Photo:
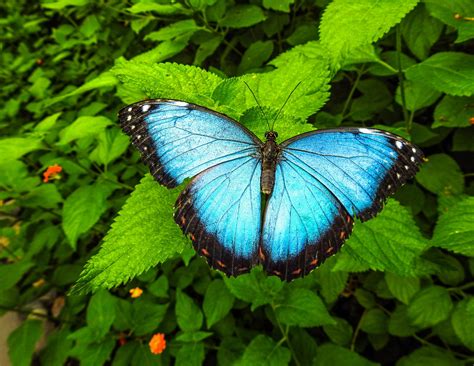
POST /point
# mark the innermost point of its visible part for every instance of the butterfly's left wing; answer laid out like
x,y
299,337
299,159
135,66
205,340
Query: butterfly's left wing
x,y
323,180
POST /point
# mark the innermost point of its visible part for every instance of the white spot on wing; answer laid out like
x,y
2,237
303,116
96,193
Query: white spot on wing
x,y
398,175
406,167
412,158
146,107
139,136
129,109
132,127
399,144
413,149
389,186
129,117
181,104
365,130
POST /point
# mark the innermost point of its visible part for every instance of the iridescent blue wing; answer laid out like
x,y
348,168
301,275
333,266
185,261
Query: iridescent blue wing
x,y
340,173
178,140
220,209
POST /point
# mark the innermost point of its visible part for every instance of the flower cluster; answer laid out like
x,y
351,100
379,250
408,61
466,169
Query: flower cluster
x,y
52,173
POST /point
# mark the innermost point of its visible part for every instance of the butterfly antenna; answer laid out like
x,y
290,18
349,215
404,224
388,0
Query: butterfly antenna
x,y
259,106
283,106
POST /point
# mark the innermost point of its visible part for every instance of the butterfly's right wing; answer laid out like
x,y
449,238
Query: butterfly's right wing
x,y
220,210
178,140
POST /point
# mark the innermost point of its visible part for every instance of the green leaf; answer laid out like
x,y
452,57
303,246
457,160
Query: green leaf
x,y
82,209
301,307
188,314
375,98
160,287
329,355
61,4
462,140
390,242
399,324
190,354
417,95
193,336
22,341
254,287
264,351
374,321
448,72
101,311
254,56
12,273
441,175
162,9
332,282
365,298
403,288
339,333
170,81
57,348
112,144
430,306
347,24
454,230
217,302
13,148
183,29
84,127
127,250
207,48
429,356
462,320
242,16
454,112
146,316
94,354
278,5
420,31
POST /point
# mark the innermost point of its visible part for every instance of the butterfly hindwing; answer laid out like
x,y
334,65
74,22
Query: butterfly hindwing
x,y
360,166
304,223
178,140
220,210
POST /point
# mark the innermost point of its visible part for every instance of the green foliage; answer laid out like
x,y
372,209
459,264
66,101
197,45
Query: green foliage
x,y
72,248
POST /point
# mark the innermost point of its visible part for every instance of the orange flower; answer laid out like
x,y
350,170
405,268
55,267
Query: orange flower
x,y
157,343
52,173
471,120
136,292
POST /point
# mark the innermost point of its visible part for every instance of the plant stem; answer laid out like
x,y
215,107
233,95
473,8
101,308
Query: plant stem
x,y
351,93
286,339
401,77
357,330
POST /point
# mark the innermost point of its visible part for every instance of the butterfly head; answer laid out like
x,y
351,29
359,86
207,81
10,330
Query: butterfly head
x,y
271,135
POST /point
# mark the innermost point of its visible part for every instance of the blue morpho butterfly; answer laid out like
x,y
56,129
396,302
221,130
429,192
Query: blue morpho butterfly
x,y
286,206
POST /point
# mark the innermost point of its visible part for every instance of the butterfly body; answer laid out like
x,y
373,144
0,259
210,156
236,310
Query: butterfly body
x,y
314,184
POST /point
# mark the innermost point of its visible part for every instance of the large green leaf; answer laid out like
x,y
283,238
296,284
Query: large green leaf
x,y
84,126
188,314
217,302
143,235
12,148
347,24
242,16
330,355
462,320
101,311
391,242
454,230
430,306
441,175
22,341
266,352
448,72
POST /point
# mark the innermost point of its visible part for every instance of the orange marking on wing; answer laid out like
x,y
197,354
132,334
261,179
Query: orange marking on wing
x,y
220,263
205,252
278,273
183,220
314,262
241,269
342,235
296,272
329,250
348,219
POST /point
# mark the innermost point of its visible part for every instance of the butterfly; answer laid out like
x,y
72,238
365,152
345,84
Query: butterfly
x,y
287,206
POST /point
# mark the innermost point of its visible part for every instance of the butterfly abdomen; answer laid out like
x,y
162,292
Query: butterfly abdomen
x,y
270,154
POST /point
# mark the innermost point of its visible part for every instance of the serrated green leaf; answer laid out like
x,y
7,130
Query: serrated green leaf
x,y
329,355
301,307
254,287
454,230
101,311
112,144
332,282
13,148
93,354
339,333
264,351
242,16
57,348
417,95
148,213
391,241
429,356
82,209
188,314
462,320
447,72
403,288
420,31
217,302
84,127
454,112
22,341
171,81
347,24
441,175
190,354
374,321
430,306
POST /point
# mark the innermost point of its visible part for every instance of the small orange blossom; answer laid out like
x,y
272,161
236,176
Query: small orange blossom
x,y
136,292
52,172
157,343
